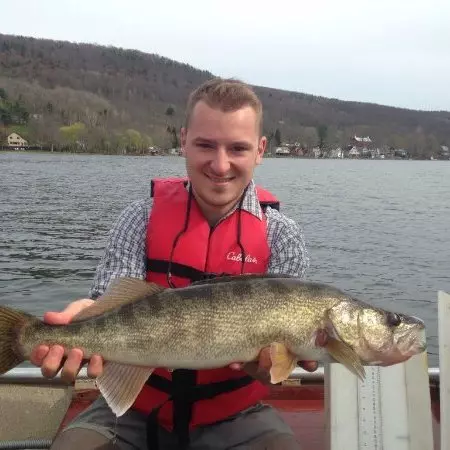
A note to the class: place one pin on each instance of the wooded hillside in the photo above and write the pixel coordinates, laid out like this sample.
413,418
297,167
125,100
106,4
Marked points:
94,97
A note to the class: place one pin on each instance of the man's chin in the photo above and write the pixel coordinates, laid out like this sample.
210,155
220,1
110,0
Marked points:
219,198
219,195
219,202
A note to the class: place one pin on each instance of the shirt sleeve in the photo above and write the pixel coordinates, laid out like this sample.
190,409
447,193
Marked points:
124,255
287,245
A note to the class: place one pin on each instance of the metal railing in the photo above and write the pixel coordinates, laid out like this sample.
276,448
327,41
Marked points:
32,375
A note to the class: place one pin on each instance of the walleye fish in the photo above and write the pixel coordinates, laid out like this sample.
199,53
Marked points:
138,326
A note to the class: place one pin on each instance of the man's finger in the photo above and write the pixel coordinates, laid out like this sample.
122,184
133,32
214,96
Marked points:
56,318
309,366
235,366
265,360
38,354
72,365
95,366
67,314
254,370
52,361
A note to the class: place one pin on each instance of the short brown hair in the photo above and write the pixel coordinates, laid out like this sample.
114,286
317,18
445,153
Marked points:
227,95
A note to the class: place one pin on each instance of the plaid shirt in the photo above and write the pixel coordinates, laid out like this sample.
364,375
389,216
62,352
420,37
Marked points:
125,250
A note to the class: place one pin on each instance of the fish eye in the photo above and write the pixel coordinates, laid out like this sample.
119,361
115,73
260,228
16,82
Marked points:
393,319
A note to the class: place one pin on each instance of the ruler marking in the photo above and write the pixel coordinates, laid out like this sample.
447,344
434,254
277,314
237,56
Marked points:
369,411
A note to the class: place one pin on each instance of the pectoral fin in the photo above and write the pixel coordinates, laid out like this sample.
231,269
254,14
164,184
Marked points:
283,363
120,385
345,355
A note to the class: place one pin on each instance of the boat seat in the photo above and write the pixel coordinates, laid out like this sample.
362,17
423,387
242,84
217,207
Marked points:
32,411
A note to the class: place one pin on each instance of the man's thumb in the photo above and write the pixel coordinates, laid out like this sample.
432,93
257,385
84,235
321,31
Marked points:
67,314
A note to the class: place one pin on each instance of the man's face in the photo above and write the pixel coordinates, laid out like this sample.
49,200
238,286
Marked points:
222,150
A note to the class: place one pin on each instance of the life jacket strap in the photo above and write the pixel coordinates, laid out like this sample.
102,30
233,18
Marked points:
179,270
184,392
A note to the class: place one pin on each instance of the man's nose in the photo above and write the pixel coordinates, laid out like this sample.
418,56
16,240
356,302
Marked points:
220,163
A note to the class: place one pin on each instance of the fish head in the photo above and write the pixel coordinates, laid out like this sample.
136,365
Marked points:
379,337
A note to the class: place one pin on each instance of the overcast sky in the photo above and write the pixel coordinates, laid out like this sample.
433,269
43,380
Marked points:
392,52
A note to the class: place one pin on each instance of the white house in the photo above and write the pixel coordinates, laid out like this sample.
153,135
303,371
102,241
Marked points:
353,153
14,140
337,153
362,139
282,151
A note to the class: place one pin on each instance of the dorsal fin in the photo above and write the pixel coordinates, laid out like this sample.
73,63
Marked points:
249,276
121,292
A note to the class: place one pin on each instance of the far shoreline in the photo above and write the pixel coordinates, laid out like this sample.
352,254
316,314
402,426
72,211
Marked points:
266,156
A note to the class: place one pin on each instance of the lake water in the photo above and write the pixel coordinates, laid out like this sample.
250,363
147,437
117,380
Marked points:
377,229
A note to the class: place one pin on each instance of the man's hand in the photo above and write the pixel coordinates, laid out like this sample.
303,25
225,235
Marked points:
261,369
50,359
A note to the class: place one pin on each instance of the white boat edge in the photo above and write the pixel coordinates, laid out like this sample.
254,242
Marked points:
31,375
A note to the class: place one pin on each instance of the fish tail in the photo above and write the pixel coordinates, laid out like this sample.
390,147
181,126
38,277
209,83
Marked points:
11,321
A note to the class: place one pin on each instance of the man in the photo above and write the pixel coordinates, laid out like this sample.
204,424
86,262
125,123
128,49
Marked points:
212,225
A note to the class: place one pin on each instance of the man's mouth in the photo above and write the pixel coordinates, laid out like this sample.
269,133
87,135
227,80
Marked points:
219,180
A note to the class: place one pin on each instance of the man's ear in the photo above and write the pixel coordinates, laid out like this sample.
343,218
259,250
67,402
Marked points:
261,149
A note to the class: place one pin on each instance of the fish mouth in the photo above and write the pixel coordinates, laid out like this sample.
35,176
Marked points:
407,346
420,347
412,344
418,322
398,356
418,342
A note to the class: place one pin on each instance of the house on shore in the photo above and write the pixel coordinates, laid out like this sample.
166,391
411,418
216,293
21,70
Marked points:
282,151
444,152
14,140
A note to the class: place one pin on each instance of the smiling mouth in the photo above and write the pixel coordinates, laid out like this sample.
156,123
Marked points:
219,180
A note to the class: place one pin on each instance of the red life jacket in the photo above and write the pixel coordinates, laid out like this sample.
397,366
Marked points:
182,248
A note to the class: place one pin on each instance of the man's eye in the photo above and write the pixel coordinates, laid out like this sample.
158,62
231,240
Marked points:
204,145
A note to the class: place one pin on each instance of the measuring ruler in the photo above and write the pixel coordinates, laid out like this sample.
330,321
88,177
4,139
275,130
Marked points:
370,423
389,410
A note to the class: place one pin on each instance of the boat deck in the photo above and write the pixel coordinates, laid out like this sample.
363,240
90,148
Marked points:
301,406
42,408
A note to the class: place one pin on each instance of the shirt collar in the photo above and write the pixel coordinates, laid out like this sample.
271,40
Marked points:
251,203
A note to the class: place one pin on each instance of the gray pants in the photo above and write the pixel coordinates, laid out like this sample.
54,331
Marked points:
257,428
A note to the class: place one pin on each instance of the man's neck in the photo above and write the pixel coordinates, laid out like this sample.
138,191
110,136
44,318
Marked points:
212,214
